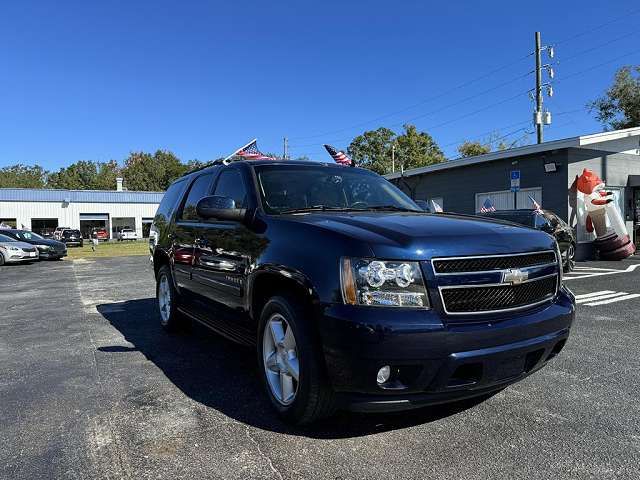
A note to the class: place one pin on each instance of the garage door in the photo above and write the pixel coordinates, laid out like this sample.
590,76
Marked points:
95,216
502,200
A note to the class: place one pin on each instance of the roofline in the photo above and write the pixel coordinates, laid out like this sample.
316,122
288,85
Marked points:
519,151
82,191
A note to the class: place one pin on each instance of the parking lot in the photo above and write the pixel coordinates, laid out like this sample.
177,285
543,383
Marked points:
92,387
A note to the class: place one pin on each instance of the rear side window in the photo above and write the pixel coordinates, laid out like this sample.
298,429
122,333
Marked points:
230,185
199,189
169,202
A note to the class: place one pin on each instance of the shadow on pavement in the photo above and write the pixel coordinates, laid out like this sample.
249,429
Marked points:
222,375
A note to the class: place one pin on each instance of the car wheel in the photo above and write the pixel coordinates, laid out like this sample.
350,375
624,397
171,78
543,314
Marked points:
291,363
167,297
1,259
570,262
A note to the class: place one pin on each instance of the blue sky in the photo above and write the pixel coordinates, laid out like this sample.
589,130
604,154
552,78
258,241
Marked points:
97,80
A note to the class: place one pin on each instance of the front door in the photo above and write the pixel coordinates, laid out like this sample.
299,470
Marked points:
225,250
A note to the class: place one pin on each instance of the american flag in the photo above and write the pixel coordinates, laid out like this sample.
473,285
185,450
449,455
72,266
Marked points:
338,155
251,152
435,207
487,206
536,205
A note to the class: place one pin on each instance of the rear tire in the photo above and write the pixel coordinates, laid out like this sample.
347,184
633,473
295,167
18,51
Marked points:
1,259
168,299
286,345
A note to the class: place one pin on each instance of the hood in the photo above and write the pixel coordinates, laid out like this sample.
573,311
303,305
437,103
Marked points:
17,243
418,236
51,243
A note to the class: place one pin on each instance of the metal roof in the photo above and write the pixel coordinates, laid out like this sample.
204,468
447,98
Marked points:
576,142
77,196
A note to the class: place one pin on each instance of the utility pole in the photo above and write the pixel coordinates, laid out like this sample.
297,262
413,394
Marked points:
538,113
285,148
393,158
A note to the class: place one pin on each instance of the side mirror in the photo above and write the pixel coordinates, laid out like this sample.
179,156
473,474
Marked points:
220,208
423,205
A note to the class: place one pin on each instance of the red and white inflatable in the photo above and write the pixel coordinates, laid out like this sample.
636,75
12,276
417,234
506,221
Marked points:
603,217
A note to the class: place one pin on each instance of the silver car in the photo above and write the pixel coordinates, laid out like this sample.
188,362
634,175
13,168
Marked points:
12,250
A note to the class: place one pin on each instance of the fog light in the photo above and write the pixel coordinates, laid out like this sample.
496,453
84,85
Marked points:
383,374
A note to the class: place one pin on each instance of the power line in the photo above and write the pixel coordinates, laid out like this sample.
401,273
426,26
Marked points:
427,100
598,27
565,77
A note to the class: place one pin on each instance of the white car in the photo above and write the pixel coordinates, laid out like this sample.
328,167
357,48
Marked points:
127,234
12,250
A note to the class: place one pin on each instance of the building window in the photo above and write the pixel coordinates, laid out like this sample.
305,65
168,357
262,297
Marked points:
508,200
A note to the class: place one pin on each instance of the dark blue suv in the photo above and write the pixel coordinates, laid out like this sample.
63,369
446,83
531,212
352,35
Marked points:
352,296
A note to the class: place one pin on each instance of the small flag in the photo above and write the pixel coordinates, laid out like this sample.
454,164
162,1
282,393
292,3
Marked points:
339,156
435,207
536,205
487,206
251,152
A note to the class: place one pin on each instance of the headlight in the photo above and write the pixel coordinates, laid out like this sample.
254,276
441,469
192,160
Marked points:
14,249
382,283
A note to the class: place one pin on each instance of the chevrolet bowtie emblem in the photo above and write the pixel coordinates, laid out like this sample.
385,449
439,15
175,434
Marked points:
514,276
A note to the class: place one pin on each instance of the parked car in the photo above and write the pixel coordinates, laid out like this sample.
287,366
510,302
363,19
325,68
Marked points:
127,234
100,234
13,251
548,222
47,249
57,233
71,238
352,296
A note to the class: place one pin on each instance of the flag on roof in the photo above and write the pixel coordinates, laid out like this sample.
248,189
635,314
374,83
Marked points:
536,205
250,152
435,207
487,206
338,155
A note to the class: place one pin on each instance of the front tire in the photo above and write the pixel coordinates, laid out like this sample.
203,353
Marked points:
570,263
167,298
291,365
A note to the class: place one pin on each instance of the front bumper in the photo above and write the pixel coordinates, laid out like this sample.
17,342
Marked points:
16,257
52,254
432,361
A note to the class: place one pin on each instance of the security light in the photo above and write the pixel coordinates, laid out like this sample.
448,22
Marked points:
550,167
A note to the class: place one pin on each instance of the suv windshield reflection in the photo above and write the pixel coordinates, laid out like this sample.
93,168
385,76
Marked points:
293,188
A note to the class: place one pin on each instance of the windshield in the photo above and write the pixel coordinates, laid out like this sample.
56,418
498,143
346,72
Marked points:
4,238
290,188
28,236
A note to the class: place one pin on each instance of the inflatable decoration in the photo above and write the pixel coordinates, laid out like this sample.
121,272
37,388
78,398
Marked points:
603,216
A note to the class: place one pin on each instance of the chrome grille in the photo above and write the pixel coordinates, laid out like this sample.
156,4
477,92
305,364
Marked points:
492,298
29,250
491,263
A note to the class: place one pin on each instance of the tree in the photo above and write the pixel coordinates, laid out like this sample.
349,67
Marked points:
620,105
146,172
417,149
372,150
22,176
471,149
86,175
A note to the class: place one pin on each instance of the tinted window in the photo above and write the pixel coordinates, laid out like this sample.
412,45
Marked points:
200,188
4,238
169,202
230,185
69,233
28,236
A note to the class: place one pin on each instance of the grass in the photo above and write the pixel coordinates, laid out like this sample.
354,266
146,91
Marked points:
109,249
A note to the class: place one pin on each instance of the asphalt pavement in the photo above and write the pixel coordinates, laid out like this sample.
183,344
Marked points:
92,387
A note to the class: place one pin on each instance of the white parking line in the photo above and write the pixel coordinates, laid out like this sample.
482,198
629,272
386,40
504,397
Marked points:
601,297
593,294
589,274
616,299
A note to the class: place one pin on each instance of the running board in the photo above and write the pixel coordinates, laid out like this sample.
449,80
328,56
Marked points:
224,327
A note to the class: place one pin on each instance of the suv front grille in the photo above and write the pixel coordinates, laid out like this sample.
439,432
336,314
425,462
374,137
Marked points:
483,299
490,263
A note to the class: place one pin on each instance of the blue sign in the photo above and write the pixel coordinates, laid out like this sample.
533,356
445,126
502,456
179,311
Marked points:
515,180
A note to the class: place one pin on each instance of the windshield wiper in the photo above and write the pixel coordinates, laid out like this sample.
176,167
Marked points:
392,207
319,208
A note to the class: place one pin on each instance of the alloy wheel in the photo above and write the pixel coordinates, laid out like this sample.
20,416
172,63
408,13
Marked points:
280,359
164,298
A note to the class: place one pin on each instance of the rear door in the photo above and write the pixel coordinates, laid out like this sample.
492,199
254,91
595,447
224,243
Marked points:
186,228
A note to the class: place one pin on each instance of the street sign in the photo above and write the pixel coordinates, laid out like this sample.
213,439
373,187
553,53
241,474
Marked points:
515,180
